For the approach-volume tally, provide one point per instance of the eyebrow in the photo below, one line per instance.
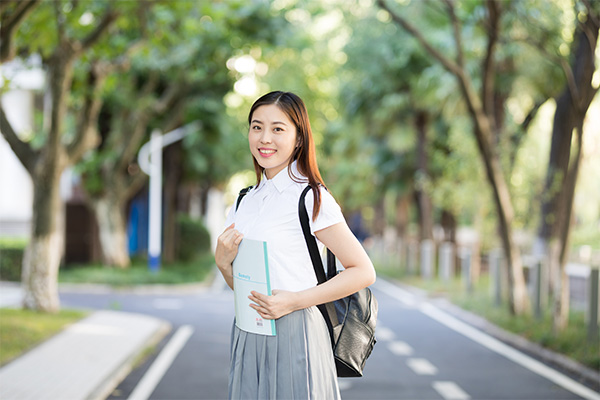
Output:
(274, 123)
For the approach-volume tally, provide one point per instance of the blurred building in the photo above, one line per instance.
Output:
(22, 86)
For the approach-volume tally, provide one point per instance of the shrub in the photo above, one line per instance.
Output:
(194, 238)
(11, 259)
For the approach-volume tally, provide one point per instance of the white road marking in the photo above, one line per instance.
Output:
(159, 367)
(421, 366)
(384, 334)
(509, 352)
(167, 304)
(450, 390)
(400, 348)
(394, 291)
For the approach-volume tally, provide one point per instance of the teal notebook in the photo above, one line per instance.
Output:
(251, 272)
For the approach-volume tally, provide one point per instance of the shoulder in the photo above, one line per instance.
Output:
(328, 202)
(241, 195)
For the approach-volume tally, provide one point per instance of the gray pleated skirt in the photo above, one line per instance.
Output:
(297, 363)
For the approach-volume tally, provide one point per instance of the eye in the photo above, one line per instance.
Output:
(278, 129)
(255, 127)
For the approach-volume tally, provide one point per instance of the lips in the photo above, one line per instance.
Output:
(266, 153)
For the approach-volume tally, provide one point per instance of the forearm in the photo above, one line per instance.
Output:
(349, 281)
(227, 272)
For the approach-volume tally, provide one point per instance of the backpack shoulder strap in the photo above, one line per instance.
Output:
(241, 195)
(311, 243)
(327, 310)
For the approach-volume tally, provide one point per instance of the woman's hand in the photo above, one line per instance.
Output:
(227, 248)
(277, 305)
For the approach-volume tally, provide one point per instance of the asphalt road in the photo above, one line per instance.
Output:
(422, 352)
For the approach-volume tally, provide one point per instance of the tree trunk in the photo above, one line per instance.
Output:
(173, 172)
(204, 190)
(44, 250)
(402, 215)
(112, 227)
(519, 300)
(379, 218)
(42, 256)
(448, 222)
(481, 111)
(563, 168)
(424, 205)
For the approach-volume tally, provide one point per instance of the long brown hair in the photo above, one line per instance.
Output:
(305, 153)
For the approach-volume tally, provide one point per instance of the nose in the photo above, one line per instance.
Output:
(265, 137)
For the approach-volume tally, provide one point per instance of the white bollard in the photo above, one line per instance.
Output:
(446, 262)
(593, 305)
(494, 260)
(465, 268)
(411, 256)
(537, 281)
(427, 256)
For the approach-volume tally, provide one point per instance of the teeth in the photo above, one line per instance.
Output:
(267, 151)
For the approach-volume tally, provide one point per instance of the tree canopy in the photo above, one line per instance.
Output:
(424, 113)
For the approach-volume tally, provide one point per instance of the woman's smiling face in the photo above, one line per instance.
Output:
(272, 139)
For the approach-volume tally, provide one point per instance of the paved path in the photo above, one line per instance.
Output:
(85, 361)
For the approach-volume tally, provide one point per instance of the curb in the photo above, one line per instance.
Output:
(93, 288)
(158, 288)
(112, 381)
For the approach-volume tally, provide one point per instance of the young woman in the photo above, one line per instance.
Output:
(297, 362)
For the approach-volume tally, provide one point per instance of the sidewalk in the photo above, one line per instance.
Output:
(85, 361)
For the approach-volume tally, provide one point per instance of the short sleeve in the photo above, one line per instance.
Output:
(230, 216)
(233, 212)
(330, 212)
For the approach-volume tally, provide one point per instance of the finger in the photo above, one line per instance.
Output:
(266, 316)
(259, 296)
(263, 313)
(238, 239)
(260, 310)
(229, 232)
(230, 237)
(258, 301)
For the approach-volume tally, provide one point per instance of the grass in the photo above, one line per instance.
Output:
(572, 342)
(13, 242)
(21, 330)
(139, 274)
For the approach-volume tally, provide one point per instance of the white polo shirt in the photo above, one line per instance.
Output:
(269, 212)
